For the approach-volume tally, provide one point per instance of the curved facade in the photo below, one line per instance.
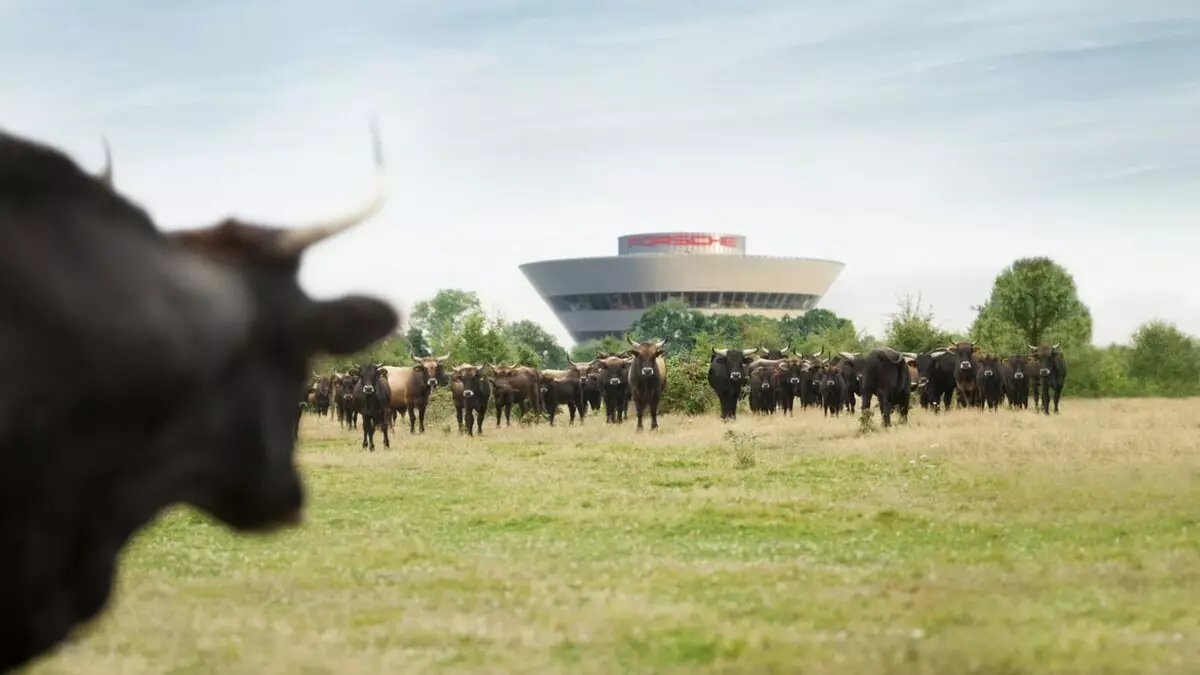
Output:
(594, 297)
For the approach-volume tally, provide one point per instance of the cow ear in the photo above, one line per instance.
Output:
(381, 372)
(348, 324)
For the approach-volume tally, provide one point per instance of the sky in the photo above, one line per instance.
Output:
(925, 143)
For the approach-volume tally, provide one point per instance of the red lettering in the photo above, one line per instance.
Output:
(681, 240)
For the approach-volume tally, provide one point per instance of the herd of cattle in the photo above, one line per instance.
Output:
(771, 379)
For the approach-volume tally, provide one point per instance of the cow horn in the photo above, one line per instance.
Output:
(631, 341)
(751, 352)
(660, 343)
(720, 352)
(443, 358)
(1056, 344)
(106, 174)
(785, 349)
(1031, 348)
(294, 241)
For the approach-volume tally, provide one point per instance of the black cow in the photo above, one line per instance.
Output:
(935, 379)
(471, 391)
(727, 375)
(965, 381)
(762, 387)
(810, 383)
(371, 398)
(1016, 380)
(1052, 371)
(788, 384)
(592, 391)
(205, 332)
(647, 378)
(774, 354)
(885, 374)
(323, 392)
(852, 366)
(344, 400)
(832, 385)
(990, 381)
(613, 374)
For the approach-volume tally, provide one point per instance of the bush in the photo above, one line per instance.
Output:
(688, 391)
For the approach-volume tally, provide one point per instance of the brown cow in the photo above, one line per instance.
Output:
(647, 378)
(514, 385)
(412, 385)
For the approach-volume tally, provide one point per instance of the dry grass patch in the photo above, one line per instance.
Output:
(969, 542)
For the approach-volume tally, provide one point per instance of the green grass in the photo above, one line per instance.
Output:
(968, 543)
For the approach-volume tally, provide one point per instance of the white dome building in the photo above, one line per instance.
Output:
(594, 297)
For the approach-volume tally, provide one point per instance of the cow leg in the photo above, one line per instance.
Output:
(640, 405)
(470, 415)
(654, 412)
(387, 443)
(482, 414)
(367, 431)
(421, 417)
(458, 412)
(1057, 394)
(1045, 397)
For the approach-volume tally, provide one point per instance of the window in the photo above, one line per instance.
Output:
(601, 302)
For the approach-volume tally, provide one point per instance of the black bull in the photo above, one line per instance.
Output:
(205, 332)
(885, 374)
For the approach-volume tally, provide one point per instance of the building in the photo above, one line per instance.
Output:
(594, 297)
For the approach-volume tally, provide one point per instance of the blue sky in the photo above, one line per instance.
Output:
(925, 143)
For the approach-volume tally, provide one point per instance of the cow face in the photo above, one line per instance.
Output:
(730, 364)
(545, 383)
(345, 387)
(963, 351)
(369, 375)
(789, 372)
(1018, 364)
(613, 372)
(431, 370)
(471, 379)
(1046, 358)
(645, 357)
(831, 378)
(989, 365)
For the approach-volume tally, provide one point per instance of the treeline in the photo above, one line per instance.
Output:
(1033, 301)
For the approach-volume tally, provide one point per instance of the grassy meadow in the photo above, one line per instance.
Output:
(968, 543)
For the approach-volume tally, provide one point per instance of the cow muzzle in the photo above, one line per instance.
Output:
(431, 382)
(987, 373)
(765, 385)
(647, 371)
(923, 381)
(964, 365)
(347, 397)
(614, 381)
(1044, 372)
(735, 375)
(468, 393)
(368, 389)
(794, 380)
(1018, 376)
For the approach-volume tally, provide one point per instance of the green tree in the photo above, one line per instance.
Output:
(796, 329)
(538, 341)
(586, 351)
(671, 320)
(481, 341)
(911, 328)
(1038, 298)
(989, 331)
(443, 315)
(1165, 360)
(417, 346)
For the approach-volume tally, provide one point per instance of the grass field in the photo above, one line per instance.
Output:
(968, 543)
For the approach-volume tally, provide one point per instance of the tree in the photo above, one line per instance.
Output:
(586, 351)
(417, 346)
(995, 335)
(911, 329)
(1038, 298)
(539, 342)
(481, 341)
(440, 317)
(1166, 359)
(796, 329)
(671, 320)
